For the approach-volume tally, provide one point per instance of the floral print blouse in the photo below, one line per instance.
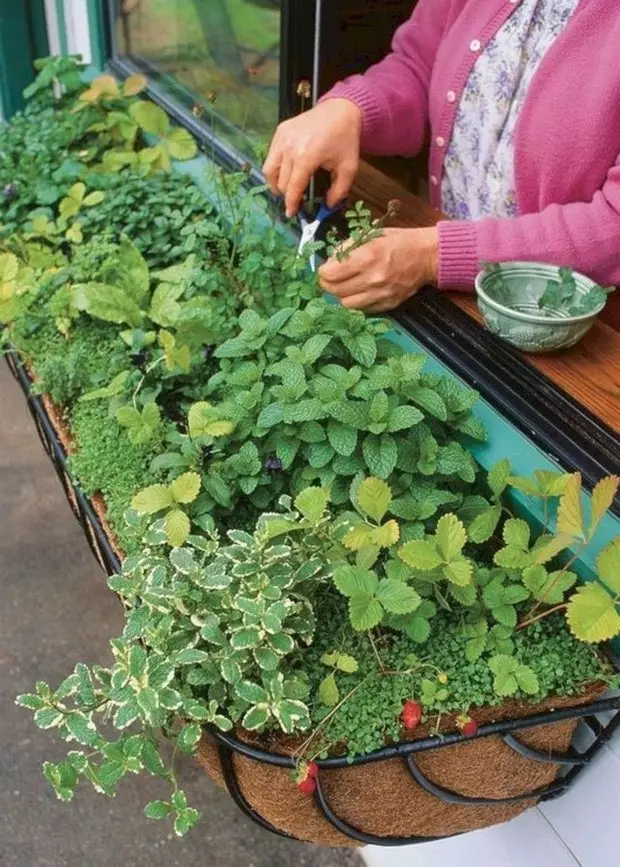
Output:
(478, 176)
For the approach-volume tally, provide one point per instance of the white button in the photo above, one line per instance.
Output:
(434, 181)
(514, 2)
(451, 96)
(440, 141)
(475, 45)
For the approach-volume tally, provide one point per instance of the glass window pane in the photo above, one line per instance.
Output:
(221, 55)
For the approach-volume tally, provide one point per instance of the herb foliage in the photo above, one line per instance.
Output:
(309, 540)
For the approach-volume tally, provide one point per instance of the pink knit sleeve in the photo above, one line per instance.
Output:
(581, 235)
(393, 94)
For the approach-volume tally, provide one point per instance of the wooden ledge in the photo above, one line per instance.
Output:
(589, 372)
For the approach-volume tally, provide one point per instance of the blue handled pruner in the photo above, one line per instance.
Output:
(309, 229)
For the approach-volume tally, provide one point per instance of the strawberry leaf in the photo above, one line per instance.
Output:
(351, 581)
(570, 517)
(373, 497)
(365, 612)
(420, 554)
(484, 525)
(312, 503)
(602, 498)
(608, 566)
(396, 597)
(517, 533)
(185, 488)
(450, 536)
(592, 614)
(328, 691)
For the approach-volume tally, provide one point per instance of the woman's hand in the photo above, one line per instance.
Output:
(327, 137)
(383, 273)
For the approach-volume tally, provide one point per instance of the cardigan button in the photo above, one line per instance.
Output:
(451, 96)
(434, 180)
(440, 141)
(475, 45)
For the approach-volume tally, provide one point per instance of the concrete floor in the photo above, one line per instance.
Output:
(55, 610)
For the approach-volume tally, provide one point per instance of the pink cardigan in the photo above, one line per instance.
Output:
(567, 146)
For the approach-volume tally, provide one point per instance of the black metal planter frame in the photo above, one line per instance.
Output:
(592, 731)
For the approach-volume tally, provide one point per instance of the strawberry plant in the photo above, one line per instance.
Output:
(169, 499)
(328, 689)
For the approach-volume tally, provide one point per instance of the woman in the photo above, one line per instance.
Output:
(522, 101)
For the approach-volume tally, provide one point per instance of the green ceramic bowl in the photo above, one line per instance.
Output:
(511, 311)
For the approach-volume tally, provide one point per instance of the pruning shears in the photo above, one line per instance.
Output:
(309, 228)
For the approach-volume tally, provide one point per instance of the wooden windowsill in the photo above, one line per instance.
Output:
(589, 372)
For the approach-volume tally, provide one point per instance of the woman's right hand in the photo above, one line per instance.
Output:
(328, 137)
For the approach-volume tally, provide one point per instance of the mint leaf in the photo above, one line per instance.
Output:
(342, 437)
(380, 454)
(373, 496)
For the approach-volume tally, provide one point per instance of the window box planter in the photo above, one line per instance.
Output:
(220, 392)
(413, 791)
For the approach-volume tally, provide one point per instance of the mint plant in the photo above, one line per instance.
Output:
(57, 78)
(320, 392)
(362, 228)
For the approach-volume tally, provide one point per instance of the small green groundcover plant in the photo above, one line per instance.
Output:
(312, 548)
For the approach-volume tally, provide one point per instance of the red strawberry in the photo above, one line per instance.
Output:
(313, 770)
(307, 786)
(411, 715)
(305, 777)
(468, 726)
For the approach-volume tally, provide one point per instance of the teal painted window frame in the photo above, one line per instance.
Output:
(61, 24)
(38, 22)
(23, 38)
(99, 34)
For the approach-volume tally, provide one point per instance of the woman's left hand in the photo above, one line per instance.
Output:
(385, 272)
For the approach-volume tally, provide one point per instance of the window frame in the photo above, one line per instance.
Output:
(23, 38)
(297, 40)
(100, 37)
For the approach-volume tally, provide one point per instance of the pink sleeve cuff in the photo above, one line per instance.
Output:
(458, 255)
(357, 91)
